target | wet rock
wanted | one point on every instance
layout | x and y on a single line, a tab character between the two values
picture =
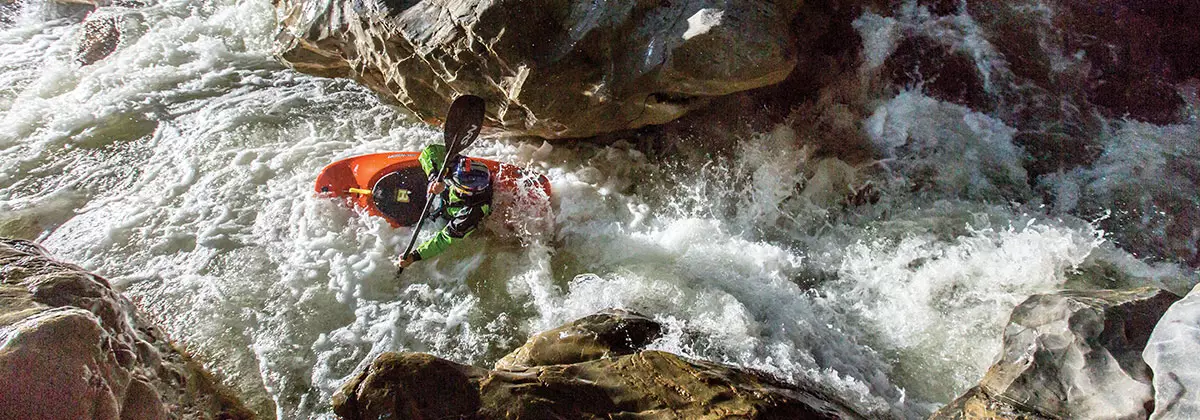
101	35
550	69
73	348
938	70
1171	354
1051	152
1118	55
610	333
976	404
1074	354
597	384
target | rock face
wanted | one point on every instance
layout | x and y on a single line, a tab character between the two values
72	348
1171	354
591	381
547	68
1071	355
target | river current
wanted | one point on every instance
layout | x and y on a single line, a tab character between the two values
181	169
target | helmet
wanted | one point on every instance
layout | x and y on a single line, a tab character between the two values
470	177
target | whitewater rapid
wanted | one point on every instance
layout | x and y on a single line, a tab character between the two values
181	168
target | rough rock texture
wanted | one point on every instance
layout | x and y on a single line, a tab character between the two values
101	35
547	68
609	333
72	348
976	404
642	384
1074	354
1172	354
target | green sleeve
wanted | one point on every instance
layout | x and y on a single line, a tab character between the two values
464	223
436	245
431	157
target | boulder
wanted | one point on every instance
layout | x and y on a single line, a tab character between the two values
1073	354
73	348
589	382
1171	354
609	333
553	69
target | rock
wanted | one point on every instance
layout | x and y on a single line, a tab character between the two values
1119	55
550	69
73	348
939	71
1171	354
589	382
610	333
1074	354
976	404
1051	152
101	35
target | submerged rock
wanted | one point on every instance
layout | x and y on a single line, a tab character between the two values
72	348
1074	354
550	69
1171	354
588	382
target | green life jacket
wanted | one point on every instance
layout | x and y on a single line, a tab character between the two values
464	212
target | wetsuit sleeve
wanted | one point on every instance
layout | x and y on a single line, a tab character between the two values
465	221
431	158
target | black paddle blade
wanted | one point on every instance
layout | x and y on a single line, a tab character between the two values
463	122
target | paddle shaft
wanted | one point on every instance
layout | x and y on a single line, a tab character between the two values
463	121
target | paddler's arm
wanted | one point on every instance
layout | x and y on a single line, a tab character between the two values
464	223
431	158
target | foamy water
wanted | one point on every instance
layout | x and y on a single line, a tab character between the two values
181	168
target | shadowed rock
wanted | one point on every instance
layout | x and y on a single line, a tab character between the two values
73	348
547	68
642	384
1074	354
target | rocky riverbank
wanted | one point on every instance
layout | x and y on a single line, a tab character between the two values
72	348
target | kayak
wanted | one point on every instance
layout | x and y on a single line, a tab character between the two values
392	185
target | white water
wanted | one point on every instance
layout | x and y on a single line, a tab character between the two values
181	168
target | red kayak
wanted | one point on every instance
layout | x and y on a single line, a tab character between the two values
392	186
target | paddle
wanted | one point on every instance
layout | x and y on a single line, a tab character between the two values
463	122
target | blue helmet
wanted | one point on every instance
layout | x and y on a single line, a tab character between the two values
469	177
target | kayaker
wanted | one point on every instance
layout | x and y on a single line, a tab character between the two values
465	204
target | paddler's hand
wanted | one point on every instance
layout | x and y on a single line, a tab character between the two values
437	188
405	262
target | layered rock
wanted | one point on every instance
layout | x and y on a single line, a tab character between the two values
72	348
547	68
1171	353
595	371
1074	354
